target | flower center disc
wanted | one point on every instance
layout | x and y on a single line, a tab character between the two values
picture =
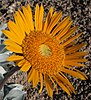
43	52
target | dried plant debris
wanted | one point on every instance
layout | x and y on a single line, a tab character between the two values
80	12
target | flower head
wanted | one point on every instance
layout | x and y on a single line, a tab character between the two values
45	48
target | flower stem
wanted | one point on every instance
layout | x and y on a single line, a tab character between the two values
7	75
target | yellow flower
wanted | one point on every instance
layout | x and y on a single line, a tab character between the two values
46	48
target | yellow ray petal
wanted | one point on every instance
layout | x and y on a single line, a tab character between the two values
43	22
75	73
41	82
65	81
20	24
77	60
41	13
21	63
37	17
32	75
54	14
17	49
68	57
29	73
12	36
62	85
84	76
75	48
53	22
36	79
55	86
68	34
70	85
70	44
61	25
48	85
66	63
48	18
30	17
14	29
26	66
25	22
50	13
77	54
13	46
70	40
64	30
11	43
15	58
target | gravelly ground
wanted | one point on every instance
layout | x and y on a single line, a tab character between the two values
80	12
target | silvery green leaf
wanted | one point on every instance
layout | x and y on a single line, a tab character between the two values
1	94
7	65
2	48
6	62
2	27
21	97
1	77
1	40
6	89
16	86
2	70
11	86
15	94
4	56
